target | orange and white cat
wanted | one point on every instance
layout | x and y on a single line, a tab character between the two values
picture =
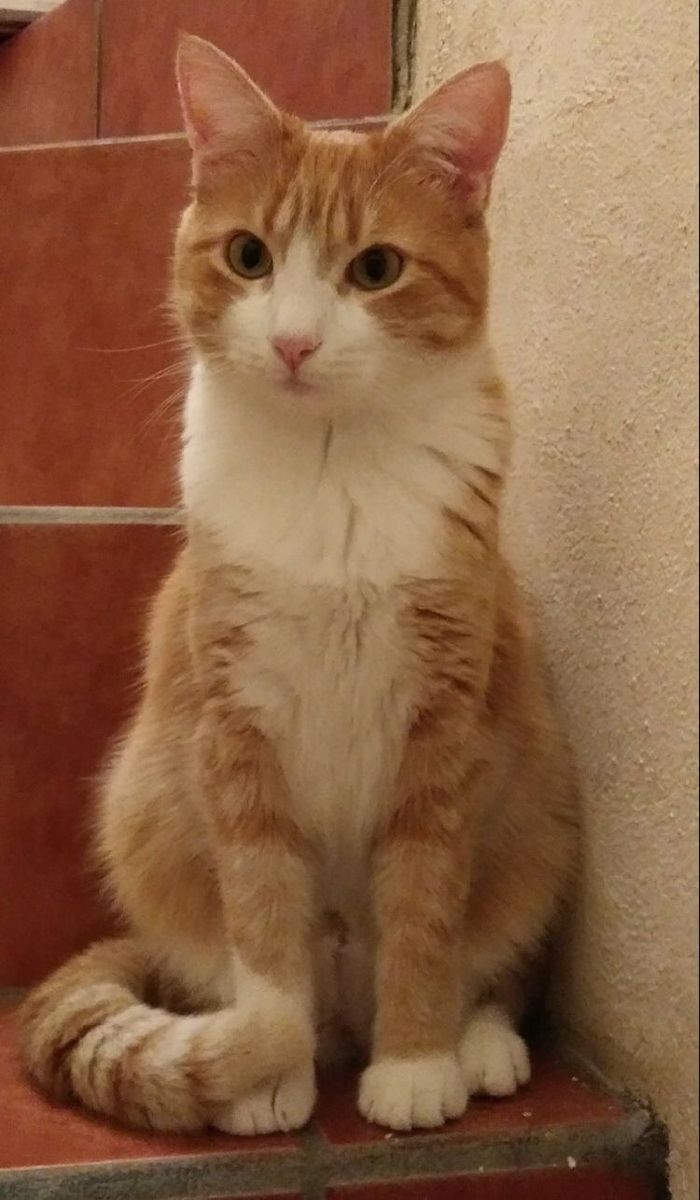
343	807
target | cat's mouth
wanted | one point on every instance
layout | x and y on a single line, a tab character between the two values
296	386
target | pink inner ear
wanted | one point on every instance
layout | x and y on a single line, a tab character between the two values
223	109
198	129
463	126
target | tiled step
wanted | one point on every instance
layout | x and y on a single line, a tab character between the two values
85	243
559	1139
91	385
72	605
48	77
319	58
105	67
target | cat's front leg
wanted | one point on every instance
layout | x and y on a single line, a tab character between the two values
414	1079
266	892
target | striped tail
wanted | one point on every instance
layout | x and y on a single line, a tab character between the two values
87	1035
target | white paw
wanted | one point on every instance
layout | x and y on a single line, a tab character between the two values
413	1093
494	1058
283	1104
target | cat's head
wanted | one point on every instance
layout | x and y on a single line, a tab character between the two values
313	264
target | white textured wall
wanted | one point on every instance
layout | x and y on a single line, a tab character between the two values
594	314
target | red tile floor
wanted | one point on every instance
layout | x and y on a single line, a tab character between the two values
560	1139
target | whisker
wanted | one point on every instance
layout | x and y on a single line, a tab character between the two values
170	341
163	409
139	386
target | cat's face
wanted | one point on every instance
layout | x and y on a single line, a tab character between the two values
312	264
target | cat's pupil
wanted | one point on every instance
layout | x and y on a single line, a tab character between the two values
375	265
251	254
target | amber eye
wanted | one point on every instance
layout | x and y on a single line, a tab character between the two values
377	267
248	256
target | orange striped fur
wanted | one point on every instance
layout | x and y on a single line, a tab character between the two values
343	812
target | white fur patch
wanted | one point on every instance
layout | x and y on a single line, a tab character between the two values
281	1105
415	1093
331	501
351	498
494	1058
254	993
301	301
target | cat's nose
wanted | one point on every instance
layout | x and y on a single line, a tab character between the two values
294	350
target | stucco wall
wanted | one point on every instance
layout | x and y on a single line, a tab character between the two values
594	315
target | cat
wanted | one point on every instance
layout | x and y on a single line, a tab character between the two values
344	811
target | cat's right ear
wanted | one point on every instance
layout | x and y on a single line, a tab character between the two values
226	115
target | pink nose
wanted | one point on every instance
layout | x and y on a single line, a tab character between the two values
293	350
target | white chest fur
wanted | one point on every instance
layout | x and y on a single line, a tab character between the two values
326	676
330	517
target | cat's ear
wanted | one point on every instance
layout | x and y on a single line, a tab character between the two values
460	129
225	113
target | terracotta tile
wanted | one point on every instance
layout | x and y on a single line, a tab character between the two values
324	58
92	371
49	78
37	1132
85	242
555	1098
72	604
584	1184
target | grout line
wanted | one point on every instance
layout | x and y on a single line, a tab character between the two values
98	66
632	1140
618	1145
355	123
310	1164
652	1150
316	1157
67	514
404	18
180	1177
351	122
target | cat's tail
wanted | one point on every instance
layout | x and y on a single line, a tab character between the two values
88	1035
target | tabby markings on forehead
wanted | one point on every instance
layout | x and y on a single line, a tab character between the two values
331	217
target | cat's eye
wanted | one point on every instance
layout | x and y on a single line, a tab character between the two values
377	267
249	256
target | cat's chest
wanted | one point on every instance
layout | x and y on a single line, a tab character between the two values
365	532
336	508
326	673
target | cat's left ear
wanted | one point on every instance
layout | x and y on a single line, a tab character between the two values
226	115
458	132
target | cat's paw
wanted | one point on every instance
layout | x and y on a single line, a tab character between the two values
284	1104
413	1093
494	1058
